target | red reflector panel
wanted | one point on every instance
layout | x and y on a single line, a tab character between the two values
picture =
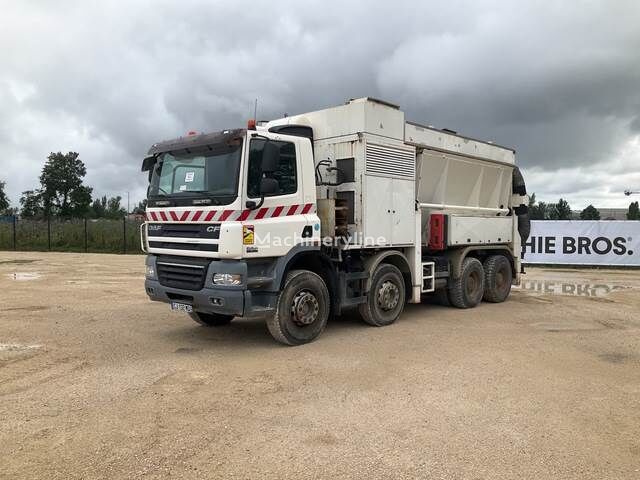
437	231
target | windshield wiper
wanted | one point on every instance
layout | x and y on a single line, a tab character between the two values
219	199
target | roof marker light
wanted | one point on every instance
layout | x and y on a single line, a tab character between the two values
251	124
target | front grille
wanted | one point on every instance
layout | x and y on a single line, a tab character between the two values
184	230
201	247
186	274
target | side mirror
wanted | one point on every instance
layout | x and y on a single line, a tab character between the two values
270	157
269	186
148	163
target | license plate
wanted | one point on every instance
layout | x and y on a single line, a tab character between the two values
181	307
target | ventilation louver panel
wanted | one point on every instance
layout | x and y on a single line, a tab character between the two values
390	161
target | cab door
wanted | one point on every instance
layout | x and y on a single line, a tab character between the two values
278	222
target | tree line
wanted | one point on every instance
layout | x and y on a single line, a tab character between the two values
62	194
562	210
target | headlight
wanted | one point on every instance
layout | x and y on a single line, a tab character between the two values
227	279
151	272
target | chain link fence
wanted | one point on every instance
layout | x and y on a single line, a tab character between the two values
75	235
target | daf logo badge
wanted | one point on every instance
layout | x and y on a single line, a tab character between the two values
155	227
213	228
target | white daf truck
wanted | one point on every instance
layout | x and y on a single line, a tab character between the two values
297	219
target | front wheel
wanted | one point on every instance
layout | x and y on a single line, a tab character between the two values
302	310
211	319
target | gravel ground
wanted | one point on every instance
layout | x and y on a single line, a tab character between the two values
98	382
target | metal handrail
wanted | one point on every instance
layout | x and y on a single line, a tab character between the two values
143	237
443	206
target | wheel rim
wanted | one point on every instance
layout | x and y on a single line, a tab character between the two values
388	296
304	308
500	279
473	281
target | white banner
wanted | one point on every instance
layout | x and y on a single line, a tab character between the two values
584	242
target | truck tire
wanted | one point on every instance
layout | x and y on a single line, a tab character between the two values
302	310
386	298
498	276
211	319
467	291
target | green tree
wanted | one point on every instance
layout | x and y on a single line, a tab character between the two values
63	193
540	211
31	204
141	208
590	213
114	210
99	207
634	211
549	211
104	207
80	201
562	210
4	201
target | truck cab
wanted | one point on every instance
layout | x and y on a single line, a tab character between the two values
224	211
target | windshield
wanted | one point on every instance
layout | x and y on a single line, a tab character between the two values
209	171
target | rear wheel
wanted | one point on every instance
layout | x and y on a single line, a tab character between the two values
467	291
302	310
211	319
498	276
385	300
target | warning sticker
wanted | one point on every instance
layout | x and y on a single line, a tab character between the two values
189	177
247	235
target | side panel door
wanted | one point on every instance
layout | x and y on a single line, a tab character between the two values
377	210
403	212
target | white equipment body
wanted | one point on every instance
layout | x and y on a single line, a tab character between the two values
366	189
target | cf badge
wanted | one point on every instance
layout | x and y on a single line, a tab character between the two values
247	235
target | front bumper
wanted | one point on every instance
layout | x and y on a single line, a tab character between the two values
238	301
208	300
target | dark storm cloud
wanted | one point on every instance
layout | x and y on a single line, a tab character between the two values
559	83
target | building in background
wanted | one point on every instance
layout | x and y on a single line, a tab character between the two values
605	214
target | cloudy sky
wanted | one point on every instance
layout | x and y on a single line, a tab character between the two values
560	83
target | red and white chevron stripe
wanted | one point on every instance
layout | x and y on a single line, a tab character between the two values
164	215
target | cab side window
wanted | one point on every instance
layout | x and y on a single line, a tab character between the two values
285	174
